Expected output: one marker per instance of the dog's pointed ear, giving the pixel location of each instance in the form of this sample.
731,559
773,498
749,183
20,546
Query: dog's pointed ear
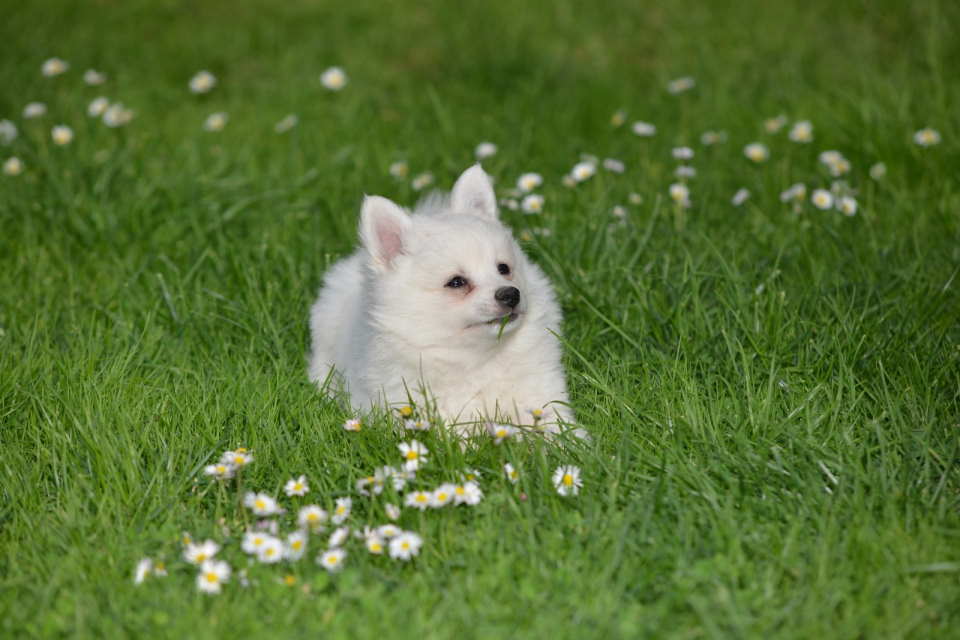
383,226
473,193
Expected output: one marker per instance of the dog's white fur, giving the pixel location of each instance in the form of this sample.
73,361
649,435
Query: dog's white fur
391,328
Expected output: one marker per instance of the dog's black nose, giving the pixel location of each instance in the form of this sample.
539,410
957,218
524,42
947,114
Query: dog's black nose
509,296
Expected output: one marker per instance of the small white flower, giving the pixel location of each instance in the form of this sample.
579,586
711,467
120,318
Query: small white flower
271,551
34,110
202,82
339,536
370,485
485,150
8,132
219,471
680,194
442,496
399,477
468,493
332,560
143,569
341,510
757,152
709,138
680,85
772,125
847,205
532,203
644,129
54,67
619,211
334,79
198,553
62,135
94,78
215,121
878,171
613,165
239,458
801,131
568,181
797,193
213,574
13,166
253,541
311,517
392,510
417,499
374,544
635,198
822,199
618,118
529,181
583,171
297,486
509,203
97,107
926,137
417,425
740,197
261,504
422,181
405,546
353,424
399,170
117,115
500,432
685,172
682,153
388,531
567,481
414,454
512,474
288,122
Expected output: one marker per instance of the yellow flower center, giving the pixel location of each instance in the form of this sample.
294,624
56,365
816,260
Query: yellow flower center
221,468
290,580
568,479
240,460
460,491
405,545
297,545
312,517
331,560
201,557
442,496
298,486
260,504
421,497
376,547
341,510
159,567
269,552
211,577
537,413
411,455
257,542
406,411
501,433
241,450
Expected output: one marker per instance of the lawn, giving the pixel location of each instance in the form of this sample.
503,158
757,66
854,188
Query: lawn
773,389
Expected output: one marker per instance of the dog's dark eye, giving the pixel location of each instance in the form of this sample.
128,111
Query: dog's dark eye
456,282
504,269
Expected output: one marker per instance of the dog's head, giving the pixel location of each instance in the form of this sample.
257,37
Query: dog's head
450,272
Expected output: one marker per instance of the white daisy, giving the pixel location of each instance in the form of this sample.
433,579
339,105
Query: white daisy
253,541
796,193
682,153
422,181
926,137
772,125
740,197
370,485
8,132
405,546
878,171
417,425
567,481
311,517
62,135
568,181
399,477
468,493
634,198
485,150
529,181
685,172
532,203
271,551
334,79
339,536
757,152
143,569
97,107
801,131
353,424
332,560
388,531
54,67
417,499
219,471
399,170
847,205
34,110
94,78
261,504
500,432
442,496
215,121
512,474
613,165
392,510
239,457
202,82
470,475
288,122
117,115
822,199
680,85
213,574
618,211
644,129
341,510
414,454
680,194
709,138
297,486
374,545
198,553
13,166
583,171
510,203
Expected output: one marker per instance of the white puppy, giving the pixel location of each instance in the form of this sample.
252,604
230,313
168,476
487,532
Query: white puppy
442,307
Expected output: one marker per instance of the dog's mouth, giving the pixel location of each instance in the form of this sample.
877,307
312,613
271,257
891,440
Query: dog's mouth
510,317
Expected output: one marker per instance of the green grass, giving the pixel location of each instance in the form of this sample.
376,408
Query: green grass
773,396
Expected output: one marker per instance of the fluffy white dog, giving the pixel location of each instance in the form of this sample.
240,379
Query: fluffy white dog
442,307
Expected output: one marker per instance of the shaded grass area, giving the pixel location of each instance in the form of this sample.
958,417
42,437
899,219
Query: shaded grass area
773,396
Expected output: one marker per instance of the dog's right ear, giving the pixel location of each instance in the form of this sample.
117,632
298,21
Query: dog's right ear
383,226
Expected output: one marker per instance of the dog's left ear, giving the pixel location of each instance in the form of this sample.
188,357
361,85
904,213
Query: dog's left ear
473,193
